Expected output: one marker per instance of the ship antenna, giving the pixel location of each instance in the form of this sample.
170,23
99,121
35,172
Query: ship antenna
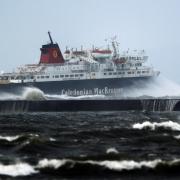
50,37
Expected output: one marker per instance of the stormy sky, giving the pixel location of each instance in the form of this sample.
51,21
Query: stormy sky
153,25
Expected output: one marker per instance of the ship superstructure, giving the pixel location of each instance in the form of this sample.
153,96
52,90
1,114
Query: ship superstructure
81,70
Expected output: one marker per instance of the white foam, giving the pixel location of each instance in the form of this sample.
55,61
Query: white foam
32,93
112,150
24,169
52,139
34,135
113,165
129,165
19,169
56,96
9,138
28,93
167,124
177,137
53,163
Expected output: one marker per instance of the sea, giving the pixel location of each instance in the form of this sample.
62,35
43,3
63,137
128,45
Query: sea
90,145
122,145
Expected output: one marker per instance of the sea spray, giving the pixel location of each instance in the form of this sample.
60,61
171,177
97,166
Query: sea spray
174,126
160,87
30,93
27,93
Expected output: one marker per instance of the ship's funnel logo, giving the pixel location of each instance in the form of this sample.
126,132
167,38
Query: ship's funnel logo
55,55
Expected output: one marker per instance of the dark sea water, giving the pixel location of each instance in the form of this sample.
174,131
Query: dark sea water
90,145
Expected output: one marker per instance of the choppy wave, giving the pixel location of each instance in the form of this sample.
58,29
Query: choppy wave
52,163
177,137
9,138
19,169
68,166
112,165
52,139
112,150
24,138
154,125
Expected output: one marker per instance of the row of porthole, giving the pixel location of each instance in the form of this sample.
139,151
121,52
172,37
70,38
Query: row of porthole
72,75
114,73
60,76
129,72
66,68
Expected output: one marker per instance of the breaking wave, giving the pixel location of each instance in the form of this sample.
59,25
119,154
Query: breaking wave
68,166
112,165
19,169
170,125
88,166
177,137
84,167
33,94
9,138
28,93
112,150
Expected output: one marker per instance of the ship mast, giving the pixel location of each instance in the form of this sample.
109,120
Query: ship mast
115,47
50,37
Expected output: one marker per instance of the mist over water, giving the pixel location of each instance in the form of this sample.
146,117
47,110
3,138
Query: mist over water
156,88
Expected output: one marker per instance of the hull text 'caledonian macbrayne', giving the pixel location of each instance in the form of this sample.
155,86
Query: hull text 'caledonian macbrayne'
83,72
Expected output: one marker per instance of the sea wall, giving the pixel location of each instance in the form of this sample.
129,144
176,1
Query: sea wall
89,105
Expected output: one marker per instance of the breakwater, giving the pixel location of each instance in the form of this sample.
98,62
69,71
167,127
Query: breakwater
89,105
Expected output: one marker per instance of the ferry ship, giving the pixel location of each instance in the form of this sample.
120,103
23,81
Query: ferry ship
81,72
